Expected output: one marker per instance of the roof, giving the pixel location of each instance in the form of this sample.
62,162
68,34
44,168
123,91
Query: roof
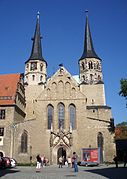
36,53
8,88
88,51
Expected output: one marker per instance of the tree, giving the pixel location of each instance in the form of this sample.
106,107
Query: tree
124,123
121,132
123,88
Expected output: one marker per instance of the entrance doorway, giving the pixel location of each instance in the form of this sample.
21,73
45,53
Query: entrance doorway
61,152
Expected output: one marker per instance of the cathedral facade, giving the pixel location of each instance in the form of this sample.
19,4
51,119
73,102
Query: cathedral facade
63,113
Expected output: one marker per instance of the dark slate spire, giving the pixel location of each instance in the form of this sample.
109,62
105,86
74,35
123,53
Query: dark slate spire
36,53
88,44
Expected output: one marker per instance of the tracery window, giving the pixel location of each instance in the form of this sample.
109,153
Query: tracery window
33,66
50,111
72,113
90,65
100,143
61,115
24,142
100,139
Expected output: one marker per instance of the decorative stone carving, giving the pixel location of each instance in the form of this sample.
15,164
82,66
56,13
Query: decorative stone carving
61,138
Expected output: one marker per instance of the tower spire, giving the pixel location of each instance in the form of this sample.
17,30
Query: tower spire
36,53
88,51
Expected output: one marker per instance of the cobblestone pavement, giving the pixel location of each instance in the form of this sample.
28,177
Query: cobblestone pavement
53,172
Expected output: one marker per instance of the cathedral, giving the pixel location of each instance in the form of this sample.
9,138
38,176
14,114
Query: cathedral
58,115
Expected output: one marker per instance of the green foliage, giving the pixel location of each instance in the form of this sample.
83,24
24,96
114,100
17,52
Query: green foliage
121,124
123,87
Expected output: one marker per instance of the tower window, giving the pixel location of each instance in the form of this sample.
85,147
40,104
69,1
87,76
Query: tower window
97,65
27,66
41,78
33,66
33,77
92,101
83,77
83,66
1,131
99,77
90,65
91,77
41,67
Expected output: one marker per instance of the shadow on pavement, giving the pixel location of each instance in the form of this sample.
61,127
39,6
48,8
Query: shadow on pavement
6,171
112,173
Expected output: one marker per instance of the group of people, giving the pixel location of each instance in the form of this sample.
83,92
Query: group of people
41,162
69,162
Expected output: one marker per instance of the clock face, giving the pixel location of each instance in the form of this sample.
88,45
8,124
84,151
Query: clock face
33,65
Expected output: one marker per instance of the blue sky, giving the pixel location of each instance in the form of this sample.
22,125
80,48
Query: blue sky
62,28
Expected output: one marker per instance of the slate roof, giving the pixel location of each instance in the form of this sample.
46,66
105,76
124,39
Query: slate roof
88,51
36,53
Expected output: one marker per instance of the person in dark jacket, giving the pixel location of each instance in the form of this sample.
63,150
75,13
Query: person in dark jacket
116,160
125,159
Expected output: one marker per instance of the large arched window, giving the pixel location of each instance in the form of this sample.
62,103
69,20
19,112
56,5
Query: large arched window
24,142
72,114
50,111
100,139
61,115
100,142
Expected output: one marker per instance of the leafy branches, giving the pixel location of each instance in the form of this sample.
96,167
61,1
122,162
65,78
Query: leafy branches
123,88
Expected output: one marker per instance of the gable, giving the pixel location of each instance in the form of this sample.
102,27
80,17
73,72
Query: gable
61,86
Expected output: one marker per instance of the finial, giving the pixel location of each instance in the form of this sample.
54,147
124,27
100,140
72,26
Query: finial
38,15
86,11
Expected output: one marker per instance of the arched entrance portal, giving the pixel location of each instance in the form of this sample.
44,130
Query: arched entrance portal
61,152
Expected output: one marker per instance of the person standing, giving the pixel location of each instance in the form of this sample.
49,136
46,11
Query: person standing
39,161
116,160
69,161
125,159
75,158
60,162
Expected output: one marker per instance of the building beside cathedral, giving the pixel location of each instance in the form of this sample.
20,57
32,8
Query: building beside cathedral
57,115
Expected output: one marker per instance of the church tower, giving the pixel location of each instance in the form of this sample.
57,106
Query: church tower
36,66
35,73
90,68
